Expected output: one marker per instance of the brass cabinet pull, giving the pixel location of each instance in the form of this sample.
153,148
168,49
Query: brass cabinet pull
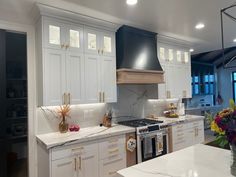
75,167
113,151
69,96
102,51
168,94
62,46
112,172
67,46
98,51
64,98
80,161
77,149
100,97
103,95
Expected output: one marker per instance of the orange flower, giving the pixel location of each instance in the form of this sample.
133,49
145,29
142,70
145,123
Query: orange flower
64,111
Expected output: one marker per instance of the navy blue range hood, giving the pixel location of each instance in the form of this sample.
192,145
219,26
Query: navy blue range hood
136,53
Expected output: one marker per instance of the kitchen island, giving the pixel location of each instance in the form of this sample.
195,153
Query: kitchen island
195,161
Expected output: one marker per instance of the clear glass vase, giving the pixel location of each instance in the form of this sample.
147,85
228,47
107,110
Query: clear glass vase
63,126
233,159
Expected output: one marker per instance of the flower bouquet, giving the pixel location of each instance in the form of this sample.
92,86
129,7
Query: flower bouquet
224,125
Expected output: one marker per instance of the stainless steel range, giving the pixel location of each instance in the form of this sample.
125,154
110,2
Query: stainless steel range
152,138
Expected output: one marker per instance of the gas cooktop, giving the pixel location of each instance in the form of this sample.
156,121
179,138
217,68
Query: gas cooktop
140,122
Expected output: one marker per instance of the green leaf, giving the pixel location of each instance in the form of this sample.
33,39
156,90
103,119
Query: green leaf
231,104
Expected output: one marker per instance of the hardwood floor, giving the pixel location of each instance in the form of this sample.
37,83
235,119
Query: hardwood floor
19,169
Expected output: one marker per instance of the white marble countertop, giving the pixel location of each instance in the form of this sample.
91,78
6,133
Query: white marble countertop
181,119
51,140
196,161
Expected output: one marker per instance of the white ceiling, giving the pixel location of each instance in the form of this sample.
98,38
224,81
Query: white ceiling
174,18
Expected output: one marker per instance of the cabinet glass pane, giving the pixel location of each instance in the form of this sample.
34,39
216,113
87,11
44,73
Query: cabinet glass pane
107,44
171,54
92,41
162,53
186,57
179,56
74,39
54,35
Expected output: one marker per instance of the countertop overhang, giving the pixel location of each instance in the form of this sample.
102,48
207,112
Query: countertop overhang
196,161
55,139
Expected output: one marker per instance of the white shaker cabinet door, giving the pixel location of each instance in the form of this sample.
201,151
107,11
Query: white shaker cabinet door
66,167
92,41
108,44
54,77
54,34
75,77
74,38
89,165
108,67
92,79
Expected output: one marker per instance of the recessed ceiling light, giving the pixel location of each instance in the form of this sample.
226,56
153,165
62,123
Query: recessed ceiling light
199,26
191,50
235,40
131,2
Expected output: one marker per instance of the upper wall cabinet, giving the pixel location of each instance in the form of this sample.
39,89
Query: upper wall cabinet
59,35
76,64
99,42
176,63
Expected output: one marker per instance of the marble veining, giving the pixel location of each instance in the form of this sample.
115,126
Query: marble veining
51,140
196,161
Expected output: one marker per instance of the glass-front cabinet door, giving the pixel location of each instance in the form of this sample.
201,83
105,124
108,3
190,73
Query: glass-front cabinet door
74,38
107,44
91,41
54,34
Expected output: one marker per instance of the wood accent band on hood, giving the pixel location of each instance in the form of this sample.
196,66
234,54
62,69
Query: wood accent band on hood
134,76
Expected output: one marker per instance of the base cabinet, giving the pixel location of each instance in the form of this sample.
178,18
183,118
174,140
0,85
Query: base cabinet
101,158
64,167
187,134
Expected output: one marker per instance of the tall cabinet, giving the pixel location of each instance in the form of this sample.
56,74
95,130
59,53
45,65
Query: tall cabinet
176,63
77,64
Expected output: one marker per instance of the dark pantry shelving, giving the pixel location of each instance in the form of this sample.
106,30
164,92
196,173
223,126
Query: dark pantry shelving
13,93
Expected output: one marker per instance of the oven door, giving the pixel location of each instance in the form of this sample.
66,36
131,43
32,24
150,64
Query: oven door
152,145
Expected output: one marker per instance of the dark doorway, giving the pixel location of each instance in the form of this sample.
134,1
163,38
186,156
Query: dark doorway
13,105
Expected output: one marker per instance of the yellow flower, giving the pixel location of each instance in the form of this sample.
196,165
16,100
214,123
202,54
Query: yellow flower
215,128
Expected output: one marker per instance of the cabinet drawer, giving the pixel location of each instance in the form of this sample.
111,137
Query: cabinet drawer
111,147
109,168
67,151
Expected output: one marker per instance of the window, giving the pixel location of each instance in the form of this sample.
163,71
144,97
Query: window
196,85
209,84
234,85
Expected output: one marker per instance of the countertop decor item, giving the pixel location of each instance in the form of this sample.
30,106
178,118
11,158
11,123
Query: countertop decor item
63,114
107,119
172,111
224,124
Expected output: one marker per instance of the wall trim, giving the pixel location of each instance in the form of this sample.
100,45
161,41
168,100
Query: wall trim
31,67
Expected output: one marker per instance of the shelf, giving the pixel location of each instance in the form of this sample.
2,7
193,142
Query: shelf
16,79
16,118
16,137
19,98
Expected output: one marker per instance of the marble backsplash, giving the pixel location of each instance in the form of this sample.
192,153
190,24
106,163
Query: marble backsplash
133,101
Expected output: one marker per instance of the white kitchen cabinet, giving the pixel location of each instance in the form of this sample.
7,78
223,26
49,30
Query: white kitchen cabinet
54,77
100,74
100,158
109,79
99,42
112,156
75,77
76,64
176,64
64,167
92,78
88,166
187,134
